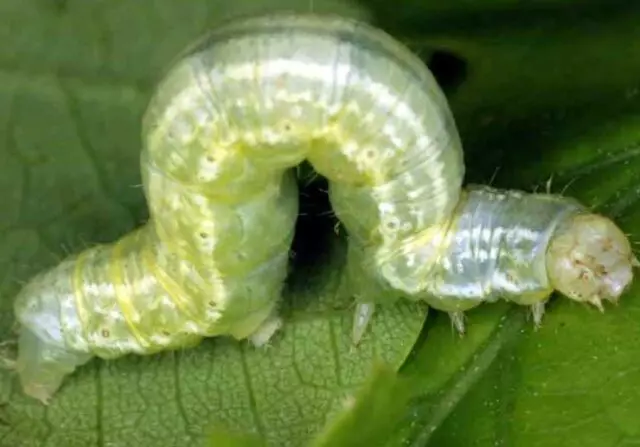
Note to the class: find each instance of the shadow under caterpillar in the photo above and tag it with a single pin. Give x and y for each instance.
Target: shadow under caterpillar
(223, 131)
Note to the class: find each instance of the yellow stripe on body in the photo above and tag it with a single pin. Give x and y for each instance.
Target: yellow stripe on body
(123, 297)
(167, 283)
(78, 292)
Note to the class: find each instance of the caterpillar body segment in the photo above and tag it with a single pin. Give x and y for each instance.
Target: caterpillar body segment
(226, 125)
(137, 296)
(510, 245)
(222, 135)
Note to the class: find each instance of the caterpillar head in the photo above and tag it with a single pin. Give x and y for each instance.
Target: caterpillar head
(589, 260)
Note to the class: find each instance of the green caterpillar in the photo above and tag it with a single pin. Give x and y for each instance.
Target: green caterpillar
(224, 130)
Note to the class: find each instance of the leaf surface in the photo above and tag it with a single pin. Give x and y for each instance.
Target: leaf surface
(539, 89)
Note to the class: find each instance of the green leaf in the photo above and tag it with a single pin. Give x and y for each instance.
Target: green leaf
(226, 438)
(550, 91)
(283, 393)
(374, 412)
(539, 89)
(69, 174)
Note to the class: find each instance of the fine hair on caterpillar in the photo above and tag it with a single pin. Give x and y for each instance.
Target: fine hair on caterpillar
(222, 136)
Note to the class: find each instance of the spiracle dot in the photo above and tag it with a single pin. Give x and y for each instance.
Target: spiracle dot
(392, 225)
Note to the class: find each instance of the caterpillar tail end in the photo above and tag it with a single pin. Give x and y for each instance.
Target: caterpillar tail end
(42, 367)
(590, 260)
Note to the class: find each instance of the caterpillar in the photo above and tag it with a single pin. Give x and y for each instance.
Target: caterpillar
(222, 134)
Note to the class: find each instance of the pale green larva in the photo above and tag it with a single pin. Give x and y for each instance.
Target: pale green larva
(222, 133)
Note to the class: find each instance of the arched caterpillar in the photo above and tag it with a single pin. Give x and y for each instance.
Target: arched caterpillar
(222, 132)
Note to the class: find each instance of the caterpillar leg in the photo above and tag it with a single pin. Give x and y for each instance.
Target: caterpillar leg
(537, 312)
(361, 319)
(42, 366)
(266, 331)
(457, 321)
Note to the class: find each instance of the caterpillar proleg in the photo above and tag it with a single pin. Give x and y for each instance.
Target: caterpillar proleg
(221, 136)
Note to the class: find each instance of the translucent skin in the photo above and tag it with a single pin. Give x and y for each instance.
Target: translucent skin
(491, 251)
(139, 296)
(221, 135)
(503, 245)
